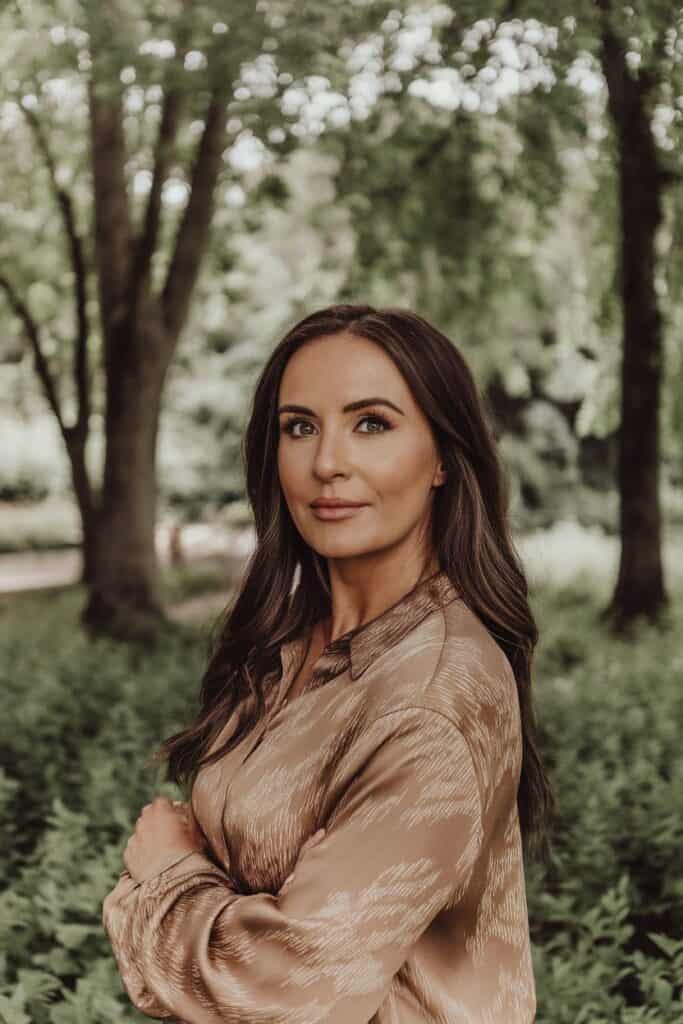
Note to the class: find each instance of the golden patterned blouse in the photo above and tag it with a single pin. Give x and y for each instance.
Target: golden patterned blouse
(405, 746)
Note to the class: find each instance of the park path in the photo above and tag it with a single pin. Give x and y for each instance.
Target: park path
(200, 544)
(39, 570)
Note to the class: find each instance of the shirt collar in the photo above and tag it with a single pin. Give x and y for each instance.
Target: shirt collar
(358, 648)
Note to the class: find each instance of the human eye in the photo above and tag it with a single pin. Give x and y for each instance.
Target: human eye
(289, 425)
(377, 418)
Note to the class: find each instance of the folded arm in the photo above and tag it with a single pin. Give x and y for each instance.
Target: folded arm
(400, 845)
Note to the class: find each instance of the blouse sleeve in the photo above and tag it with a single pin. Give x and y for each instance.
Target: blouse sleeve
(400, 845)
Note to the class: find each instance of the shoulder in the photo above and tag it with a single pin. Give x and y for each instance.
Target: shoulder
(451, 665)
(474, 684)
(448, 662)
(473, 675)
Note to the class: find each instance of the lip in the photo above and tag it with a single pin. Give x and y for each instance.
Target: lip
(336, 503)
(336, 511)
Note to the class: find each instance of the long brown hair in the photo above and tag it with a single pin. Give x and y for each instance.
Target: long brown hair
(469, 532)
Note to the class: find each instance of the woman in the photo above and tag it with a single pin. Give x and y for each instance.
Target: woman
(364, 769)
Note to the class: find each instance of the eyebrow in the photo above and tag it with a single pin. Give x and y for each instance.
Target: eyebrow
(360, 403)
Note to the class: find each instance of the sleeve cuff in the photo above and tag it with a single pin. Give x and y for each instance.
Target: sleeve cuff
(160, 866)
(192, 862)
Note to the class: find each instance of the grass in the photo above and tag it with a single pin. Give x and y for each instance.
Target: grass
(606, 914)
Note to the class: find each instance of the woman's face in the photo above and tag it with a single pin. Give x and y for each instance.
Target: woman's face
(381, 455)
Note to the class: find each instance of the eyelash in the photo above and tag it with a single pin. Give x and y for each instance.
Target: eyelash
(288, 425)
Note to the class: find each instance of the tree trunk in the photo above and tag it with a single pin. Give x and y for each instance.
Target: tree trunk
(75, 445)
(89, 527)
(640, 586)
(141, 328)
(124, 594)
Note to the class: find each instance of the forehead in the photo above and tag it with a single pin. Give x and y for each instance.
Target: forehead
(343, 366)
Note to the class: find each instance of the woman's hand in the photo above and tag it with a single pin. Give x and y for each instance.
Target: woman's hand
(165, 829)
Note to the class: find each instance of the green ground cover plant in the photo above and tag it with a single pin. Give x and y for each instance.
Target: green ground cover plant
(81, 718)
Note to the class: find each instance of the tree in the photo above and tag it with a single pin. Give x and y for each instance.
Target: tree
(142, 307)
(643, 174)
(443, 189)
(140, 325)
(183, 65)
(639, 49)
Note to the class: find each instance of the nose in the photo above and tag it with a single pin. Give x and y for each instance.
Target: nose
(331, 454)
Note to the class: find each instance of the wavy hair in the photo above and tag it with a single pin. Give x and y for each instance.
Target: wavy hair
(469, 534)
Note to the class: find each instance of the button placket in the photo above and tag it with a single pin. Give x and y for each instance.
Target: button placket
(321, 674)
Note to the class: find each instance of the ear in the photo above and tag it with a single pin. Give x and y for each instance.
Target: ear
(439, 476)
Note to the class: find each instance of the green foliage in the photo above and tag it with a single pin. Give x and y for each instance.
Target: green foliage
(84, 717)
(81, 719)
(206, 576)
(607, 913)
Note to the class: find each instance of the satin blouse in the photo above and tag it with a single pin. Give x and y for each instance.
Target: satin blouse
(405, 746)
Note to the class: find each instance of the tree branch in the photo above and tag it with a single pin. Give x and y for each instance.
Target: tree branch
(146, 243)
(33, 333)
(622, 83)
(112, 214)
(168, 130)
(193, 230)
(613, 62)
(78, 264)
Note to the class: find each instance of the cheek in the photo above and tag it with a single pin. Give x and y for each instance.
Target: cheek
(398, 466)
(402, 470)
(291, 470)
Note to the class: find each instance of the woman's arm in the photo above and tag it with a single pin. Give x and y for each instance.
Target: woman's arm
(400, 845)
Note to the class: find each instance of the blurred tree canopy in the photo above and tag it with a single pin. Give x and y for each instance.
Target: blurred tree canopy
(231, 173)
